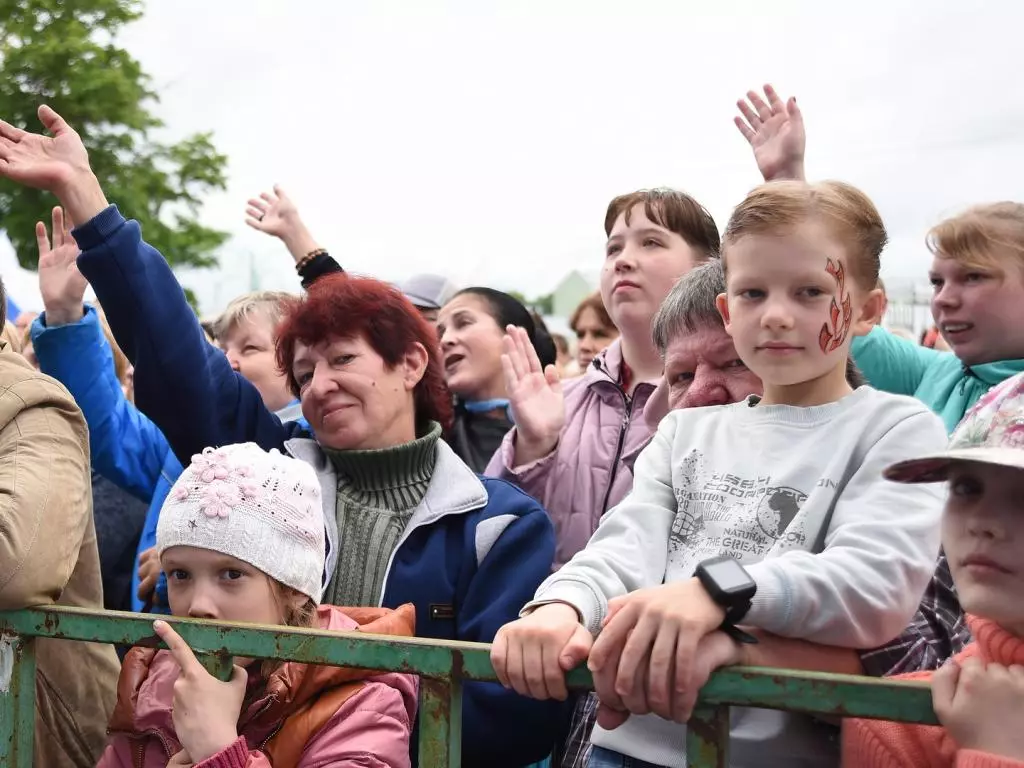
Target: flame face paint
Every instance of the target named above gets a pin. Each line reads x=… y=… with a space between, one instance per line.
x=837 y=327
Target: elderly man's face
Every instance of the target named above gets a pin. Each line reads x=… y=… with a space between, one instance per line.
x=702 y=368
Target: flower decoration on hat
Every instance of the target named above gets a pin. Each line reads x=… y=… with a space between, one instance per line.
x=218 y=499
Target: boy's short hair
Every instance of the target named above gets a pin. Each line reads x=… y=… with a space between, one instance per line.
x=675 y=211
x=781 y=205
x=979 y=236
x=268 y=304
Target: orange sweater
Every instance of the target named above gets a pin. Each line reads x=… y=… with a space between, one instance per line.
x=884 y=744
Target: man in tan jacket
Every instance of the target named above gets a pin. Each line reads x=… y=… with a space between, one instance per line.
x=48 y=555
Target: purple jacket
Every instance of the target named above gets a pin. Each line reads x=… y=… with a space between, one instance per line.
x=585 y=475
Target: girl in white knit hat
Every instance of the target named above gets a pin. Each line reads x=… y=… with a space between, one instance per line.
x=241 y=538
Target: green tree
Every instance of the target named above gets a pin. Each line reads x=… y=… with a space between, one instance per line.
x=64 y=54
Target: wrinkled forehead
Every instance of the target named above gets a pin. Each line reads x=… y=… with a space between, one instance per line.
x=705 y=342
x=308 y=352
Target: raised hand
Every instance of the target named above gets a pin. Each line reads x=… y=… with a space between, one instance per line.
x=275 y=214
x=775 y=131
x=535 y=395
x=60 y=283
x=272 y=213
x=205 y=710
x=980 y=705
x=57 y=163
x=43 y=162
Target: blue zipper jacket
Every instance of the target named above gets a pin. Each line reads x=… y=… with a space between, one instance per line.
x=126 y=448
x=474 y=551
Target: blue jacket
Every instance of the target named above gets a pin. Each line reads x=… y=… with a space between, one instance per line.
x=474 y=551
x=127 y=448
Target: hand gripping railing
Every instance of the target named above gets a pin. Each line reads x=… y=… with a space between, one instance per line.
x=442 y=667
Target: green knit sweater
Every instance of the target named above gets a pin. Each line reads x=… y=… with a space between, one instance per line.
x=377 y=493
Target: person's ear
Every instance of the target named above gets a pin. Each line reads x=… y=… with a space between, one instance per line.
x=870 y=313
x=414 y=365
x=722 y=302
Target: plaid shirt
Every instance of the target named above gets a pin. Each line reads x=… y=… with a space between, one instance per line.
x=937 y=631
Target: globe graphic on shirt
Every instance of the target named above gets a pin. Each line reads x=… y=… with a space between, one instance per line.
x=777 y=508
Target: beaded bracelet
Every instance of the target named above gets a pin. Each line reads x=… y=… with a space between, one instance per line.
x=305 y=260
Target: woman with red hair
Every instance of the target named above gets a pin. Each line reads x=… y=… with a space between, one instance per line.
x=407 y=521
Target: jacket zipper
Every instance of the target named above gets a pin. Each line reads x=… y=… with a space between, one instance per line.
x=623 y=428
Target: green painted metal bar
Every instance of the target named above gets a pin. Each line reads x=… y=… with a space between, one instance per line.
x=707 y=737
x=220 y=665
x=443 y=665
x=440 y=719
x=17 y=701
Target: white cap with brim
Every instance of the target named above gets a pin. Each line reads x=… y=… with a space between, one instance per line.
x=935 y=469
x=992 y=432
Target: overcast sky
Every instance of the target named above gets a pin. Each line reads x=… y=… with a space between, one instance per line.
x=485 y=139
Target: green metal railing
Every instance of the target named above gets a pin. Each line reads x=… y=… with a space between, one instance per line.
x=442 y=667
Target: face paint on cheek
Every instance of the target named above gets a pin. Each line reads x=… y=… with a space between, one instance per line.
x=835 y=329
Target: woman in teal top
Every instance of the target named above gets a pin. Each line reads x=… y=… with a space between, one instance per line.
x=939 y=379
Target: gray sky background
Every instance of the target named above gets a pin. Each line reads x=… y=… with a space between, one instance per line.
x=485 y=139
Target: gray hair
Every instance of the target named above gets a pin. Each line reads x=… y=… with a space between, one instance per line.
x=690 y=304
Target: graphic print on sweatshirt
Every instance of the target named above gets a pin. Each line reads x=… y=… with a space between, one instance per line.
x=719 y=511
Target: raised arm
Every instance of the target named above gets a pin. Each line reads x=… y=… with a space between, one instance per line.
x=185 y=385
x=275 y=214
x=775 y=131
x=125 y=446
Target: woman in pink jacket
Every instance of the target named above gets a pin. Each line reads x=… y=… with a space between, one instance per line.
x=569 y=441
x=241 y=538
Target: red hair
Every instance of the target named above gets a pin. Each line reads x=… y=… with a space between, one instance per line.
x=342 y=306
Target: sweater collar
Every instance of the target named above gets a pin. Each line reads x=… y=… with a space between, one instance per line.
x=384 y=469
x=995 y=643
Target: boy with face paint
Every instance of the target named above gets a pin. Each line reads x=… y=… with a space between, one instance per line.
x=768 y=511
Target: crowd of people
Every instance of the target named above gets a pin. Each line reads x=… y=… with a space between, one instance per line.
x=740 y=464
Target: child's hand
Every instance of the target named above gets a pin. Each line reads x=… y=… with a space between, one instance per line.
x=149 y=572
x=180 y=760
x=644 y=659
x=532 y=654
x=205 y=710
x=713 y=651
x=981 y=706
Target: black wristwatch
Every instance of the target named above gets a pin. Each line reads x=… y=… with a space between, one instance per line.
x=730 y=586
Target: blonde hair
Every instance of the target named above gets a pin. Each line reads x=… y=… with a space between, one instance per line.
x=303 y=616
x=269 y=304
x=849 y=213
x=980 y=236
x=12 y=336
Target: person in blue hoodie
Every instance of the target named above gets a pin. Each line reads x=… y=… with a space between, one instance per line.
x=127 y=449
x=407 y=521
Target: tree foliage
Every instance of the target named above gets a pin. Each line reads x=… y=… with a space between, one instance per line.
x=65 y=54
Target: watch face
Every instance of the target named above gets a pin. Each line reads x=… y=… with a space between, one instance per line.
x=729 y=576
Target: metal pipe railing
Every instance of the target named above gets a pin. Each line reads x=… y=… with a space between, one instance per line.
x=442 y=667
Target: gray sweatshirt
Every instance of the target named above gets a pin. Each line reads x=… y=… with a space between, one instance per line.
x=840 y=556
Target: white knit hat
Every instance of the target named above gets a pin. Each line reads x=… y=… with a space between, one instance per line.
x=259 y=507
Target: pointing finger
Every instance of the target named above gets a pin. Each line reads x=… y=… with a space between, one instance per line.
x=179 y=649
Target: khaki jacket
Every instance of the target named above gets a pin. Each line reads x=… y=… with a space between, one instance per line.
x=48 y=555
